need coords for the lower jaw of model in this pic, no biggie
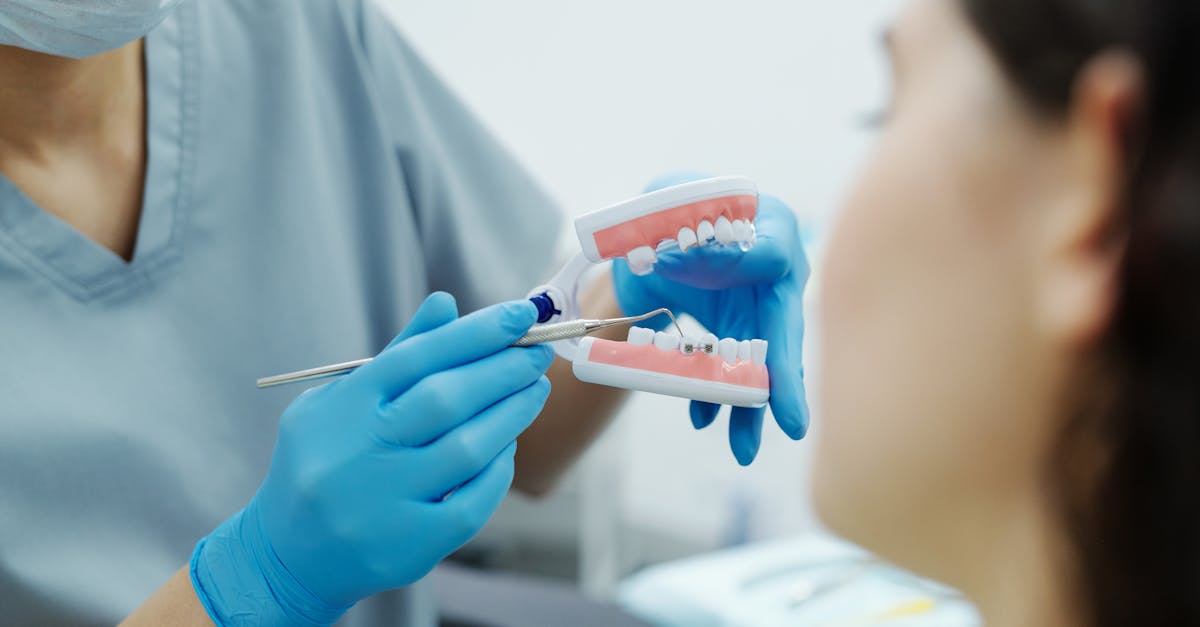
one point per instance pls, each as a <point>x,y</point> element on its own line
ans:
<point>726,371</point>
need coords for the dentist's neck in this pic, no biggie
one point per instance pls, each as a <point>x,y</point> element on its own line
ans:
<point>50,103</point>
<point>82,122</point>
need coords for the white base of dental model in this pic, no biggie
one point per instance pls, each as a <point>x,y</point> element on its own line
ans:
<point>670,385</point>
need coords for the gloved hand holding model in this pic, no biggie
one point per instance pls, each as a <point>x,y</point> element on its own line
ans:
<point>379,476</point>
<point>752,294</point>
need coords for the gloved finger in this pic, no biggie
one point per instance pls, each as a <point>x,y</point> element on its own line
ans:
<point>794,408</point>
<point>467,339</point>
<point>719,268</point>
<point>783,324</point>
<point>466,511</point>
<point>703,414</point>
<point>438,308</point>
<point>745,433</point>
<point>413,560</point>
<point>444,400</point>
<point>465,451</point>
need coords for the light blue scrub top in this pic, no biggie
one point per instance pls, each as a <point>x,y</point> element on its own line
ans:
<point>310,181</point>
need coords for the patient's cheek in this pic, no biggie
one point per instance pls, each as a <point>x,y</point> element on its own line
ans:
<point>825,492</point>
<point>841,467</point>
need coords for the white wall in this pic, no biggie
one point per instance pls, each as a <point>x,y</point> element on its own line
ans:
<point>597,98</point>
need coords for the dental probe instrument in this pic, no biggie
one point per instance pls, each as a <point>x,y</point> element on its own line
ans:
<point>538,335</point>
<point>572,329</point>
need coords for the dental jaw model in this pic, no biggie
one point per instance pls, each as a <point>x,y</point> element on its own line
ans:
<point>711,212</point>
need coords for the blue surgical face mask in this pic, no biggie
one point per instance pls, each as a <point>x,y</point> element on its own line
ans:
<point>79,28</point>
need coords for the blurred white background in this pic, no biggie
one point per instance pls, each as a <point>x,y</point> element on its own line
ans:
<point>597,98</point>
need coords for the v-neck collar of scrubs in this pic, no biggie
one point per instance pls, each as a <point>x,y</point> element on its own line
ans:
<point>77,264</point>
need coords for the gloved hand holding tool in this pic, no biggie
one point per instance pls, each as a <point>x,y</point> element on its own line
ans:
<point>378,476</point>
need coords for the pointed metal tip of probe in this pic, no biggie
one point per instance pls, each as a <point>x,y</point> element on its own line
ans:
<point>670,315</point>
<point>603,324</point>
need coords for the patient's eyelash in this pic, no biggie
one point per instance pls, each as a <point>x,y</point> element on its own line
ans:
<point>879,118</point>
<point>874,120</point>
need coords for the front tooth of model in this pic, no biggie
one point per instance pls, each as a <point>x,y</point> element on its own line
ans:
<point>744,350</point>
<point>642,260</point>
<point>728,348</point>
<point>688,345</point>
<point>666,341</point>
<point>758,351</point>
<point>641,336</point>
<point>705,231</point>
<point>741,231</point>
<point>708,343</point>
<point>723,230</point>
<point>687,238</point>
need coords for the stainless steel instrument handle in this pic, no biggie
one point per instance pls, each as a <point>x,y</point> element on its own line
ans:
<point>537,335</point>
<point>554,332</point>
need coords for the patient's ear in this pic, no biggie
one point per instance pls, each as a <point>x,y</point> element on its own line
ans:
<point>1084,237</point>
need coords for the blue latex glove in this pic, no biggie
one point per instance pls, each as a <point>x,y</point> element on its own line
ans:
<point>379,476</point>
<point>749,295</point>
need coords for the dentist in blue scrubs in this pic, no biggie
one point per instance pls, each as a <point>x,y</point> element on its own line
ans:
<point>196,193</point>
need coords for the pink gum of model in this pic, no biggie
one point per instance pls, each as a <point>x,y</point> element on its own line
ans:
<point>616,241</point>
<point>700,366</point>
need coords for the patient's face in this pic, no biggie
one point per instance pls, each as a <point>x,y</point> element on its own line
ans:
<point>932,398</point>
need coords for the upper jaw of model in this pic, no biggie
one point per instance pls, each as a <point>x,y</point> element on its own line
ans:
<point>723,232</point>
<point>712,212</point>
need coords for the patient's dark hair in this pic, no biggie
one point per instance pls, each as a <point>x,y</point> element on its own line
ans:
<point>1133,510</point>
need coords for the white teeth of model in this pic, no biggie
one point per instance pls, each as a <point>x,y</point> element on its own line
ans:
<point>705,232</point>
<point>666,341</point>
<point>758,351</point>
<point>728,348</point>
<point>642,260</point>
<point>640,336</point>
<point>689,345</point>
<point>708,343</point>
<point>723,230</point>
<point>741,231</point>
<point>687,238</point>
<point>744,350</point>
